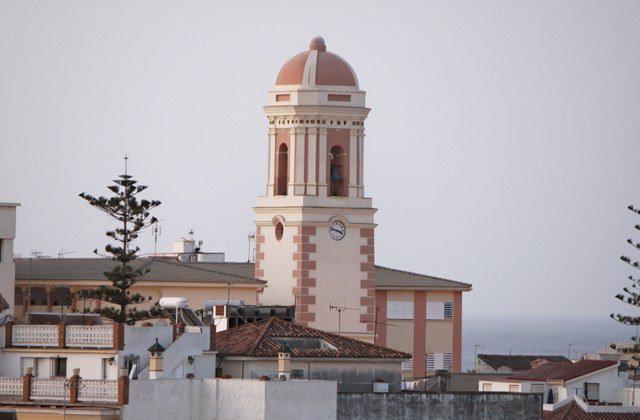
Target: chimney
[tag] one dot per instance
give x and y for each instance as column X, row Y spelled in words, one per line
column 212, row 336
column 284, row 365
column 156, row 360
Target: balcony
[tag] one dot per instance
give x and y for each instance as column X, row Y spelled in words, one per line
column 109, row 336
column 74, row 390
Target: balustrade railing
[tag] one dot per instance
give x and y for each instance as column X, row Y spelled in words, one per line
column 93, row 336
column 34, row 336
column 72, row 390
column 49, row 389
column 95, row 390
column 74, row 336
column 11, row 386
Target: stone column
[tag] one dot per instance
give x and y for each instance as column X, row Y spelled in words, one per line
column 312, row 159
column 123, row 390
column 49, row 292
column 26, row 385
column 74, row 301
column 353, row 163
column 273, row 155
column 74, row 388
column 62, row 334
column 322, row 162
column 25, row 300
column 8, row 334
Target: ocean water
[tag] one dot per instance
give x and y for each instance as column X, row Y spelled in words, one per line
column 503, row 335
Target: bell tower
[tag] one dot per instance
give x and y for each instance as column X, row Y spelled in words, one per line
column 314, row 226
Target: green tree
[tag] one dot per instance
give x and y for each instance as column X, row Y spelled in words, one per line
column 631, row 294
column 132, row 215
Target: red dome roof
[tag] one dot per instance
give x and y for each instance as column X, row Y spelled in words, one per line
column 317, row 67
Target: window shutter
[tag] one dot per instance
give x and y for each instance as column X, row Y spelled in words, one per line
column 430, row 361
column 447, row 360
column 448, row 310
column 391, row 309
column 435, row 310
column 408, row 310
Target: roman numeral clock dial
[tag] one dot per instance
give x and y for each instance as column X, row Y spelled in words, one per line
column 337, row 230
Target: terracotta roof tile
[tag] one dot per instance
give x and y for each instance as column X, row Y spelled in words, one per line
column 559, row 372
column 260, row 339
column 518, row 362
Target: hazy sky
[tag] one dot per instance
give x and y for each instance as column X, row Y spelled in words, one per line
column 502, row 147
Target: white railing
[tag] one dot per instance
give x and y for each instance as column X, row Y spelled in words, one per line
column 11, row 386
column 93, row 336
column 34, row 335
column 50, row 389
column 96, row 390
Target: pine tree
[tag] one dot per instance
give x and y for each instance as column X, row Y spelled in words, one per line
column 132, row 215
column 631, row 294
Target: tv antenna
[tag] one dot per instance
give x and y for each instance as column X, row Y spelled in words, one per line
column 340, row 309
column 156, row 231
column 38, row 254
column 251, row 237
column 62, row 253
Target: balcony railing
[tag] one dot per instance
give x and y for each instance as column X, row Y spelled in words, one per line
column 49, row 389
column 96, row 390
column 34, row 336
column 11, row 387
column 73, row 390
column 281, row 185
column 109, row 336
column 94, row 336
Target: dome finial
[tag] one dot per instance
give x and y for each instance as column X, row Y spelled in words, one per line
column 317, row 44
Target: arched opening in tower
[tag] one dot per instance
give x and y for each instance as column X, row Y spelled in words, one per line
column 283, row 166
column 338, row 182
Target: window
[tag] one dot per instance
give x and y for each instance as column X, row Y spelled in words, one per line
column 487, row 387
column 279, row 230
column 338, row 98
column 592, row 391
column 438, row 361
column 60, row 366
column 448, row 310
column 337, row 172
column 439, row 310
column 407, row 365
column 282, row 170
column 283, row 98
column 514, row 388
column 537, row 389
column 399, row 309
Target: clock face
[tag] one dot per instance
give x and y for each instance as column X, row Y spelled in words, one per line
column 337, row 230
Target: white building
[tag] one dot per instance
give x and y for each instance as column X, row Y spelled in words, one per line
column 593, row 385
column 7, row 266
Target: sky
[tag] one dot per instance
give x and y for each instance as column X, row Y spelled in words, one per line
column 502, row 148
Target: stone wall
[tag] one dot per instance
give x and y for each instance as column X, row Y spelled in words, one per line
column 211, row 398
column 493, row 406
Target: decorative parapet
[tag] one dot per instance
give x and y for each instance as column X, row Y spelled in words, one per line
column 96, row 390
column 50, row 389
column 109, row 336
column 72, row 390
column 11, row 387
column 94, row 336
column 34, row 336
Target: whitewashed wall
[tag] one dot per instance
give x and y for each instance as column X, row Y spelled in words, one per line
column 230, row 398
